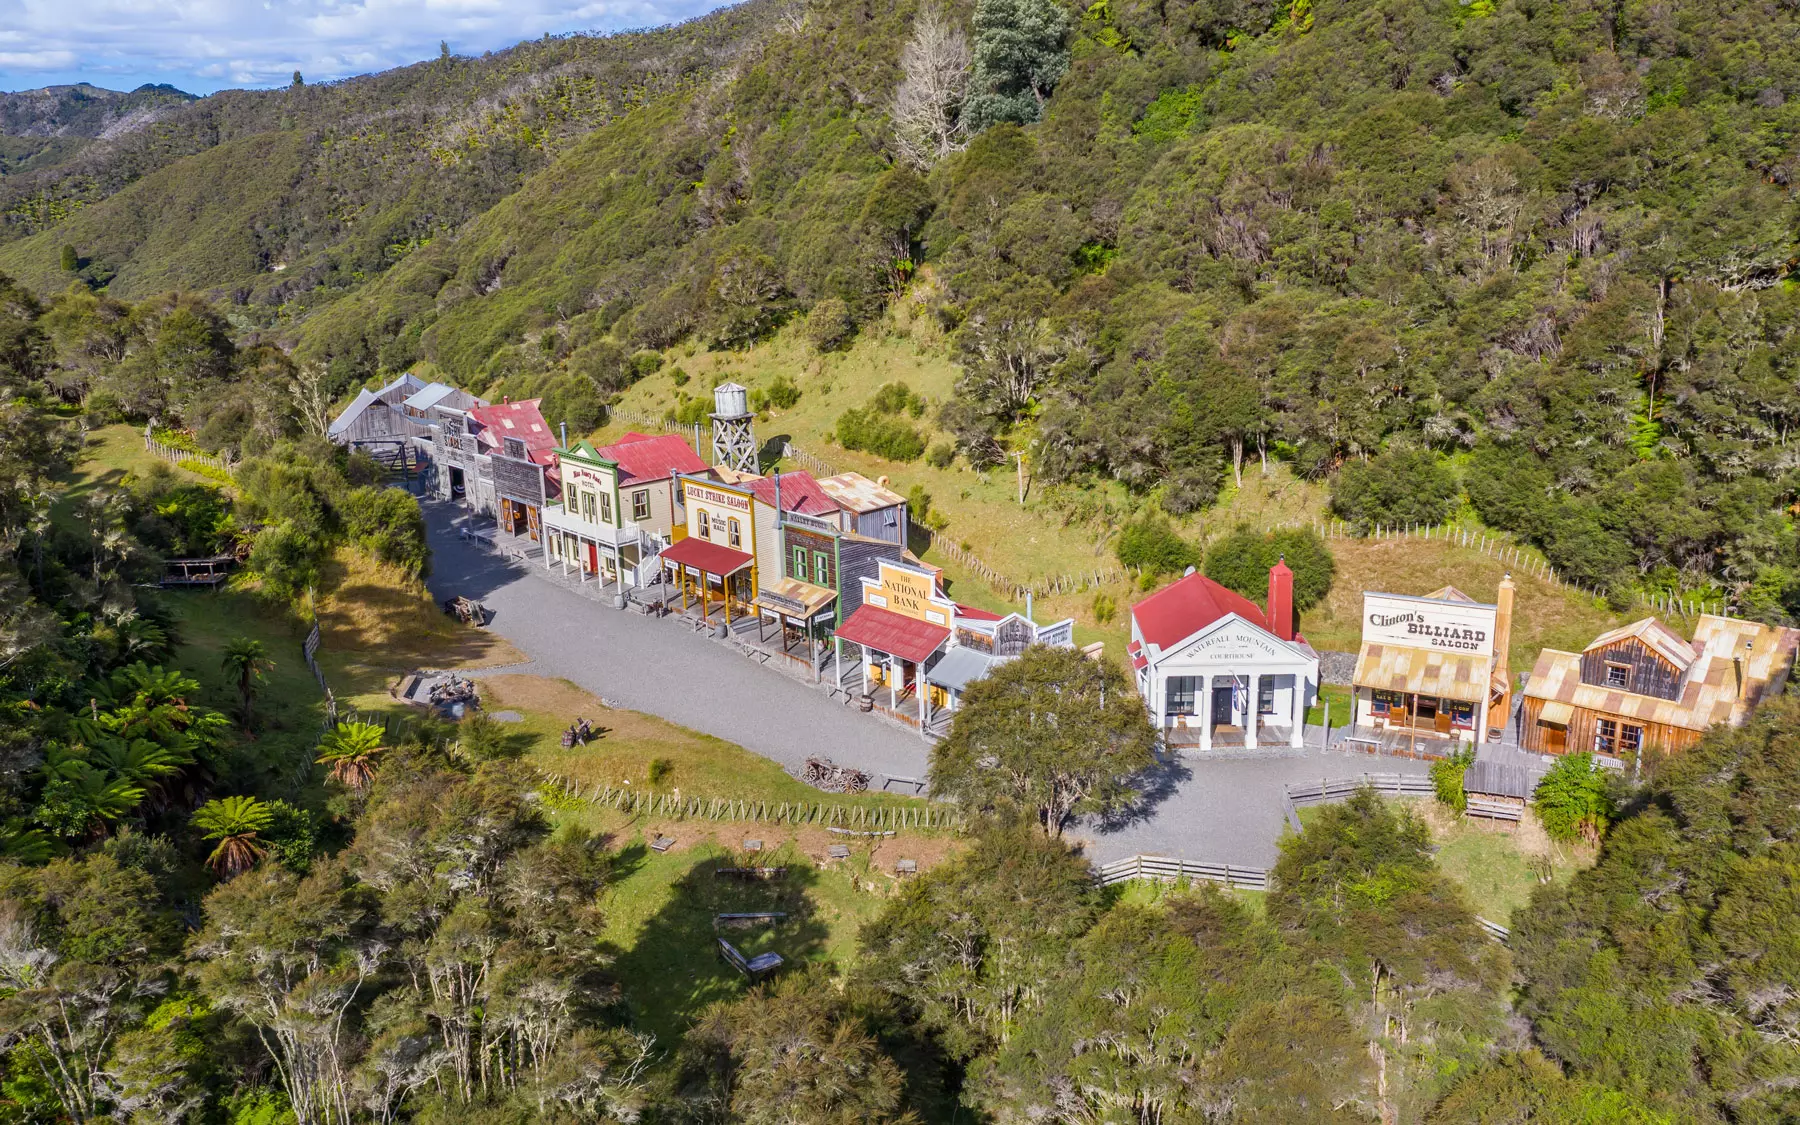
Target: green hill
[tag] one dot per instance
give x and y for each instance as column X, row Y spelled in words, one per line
column 1549, row 248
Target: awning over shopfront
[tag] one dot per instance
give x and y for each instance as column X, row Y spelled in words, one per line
column 791, row 597
column 1556, row 713
column 708, row 558
column 1418, row 671
column 960, row 667
column 892, row 633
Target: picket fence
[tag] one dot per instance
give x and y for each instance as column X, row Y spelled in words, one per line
column 1164, row 869
column 823, row 813
column 175, row 456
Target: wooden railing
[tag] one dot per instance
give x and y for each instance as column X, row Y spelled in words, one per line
column 873, row 817
column 1164, row 869
column 1338, row 789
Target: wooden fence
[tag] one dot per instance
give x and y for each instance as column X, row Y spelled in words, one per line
column 176, row 455
column 1338, row 789
column 1494, row 930
column 308, row 652
column 790, row 451
column 823, row 813
column 1163, row 869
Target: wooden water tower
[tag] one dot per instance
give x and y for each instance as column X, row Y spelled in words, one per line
column 734, row 443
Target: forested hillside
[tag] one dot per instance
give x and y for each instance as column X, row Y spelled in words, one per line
column 1538, row 256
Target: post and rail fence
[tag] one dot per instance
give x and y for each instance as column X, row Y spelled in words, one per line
column 1166, row 870
column 875, row 818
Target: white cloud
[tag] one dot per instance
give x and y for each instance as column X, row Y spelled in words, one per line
column 204, row 45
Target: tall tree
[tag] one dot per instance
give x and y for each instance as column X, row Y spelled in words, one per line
column 1020, row 55
column 246, row 661
column 927, row 109
column 1052, row 735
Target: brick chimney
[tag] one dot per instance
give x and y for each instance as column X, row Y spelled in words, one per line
column 1281, row 600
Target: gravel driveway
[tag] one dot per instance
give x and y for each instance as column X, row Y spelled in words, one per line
column 1213, row 811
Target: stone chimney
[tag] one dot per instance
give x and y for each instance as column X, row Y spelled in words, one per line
column 1281, row 600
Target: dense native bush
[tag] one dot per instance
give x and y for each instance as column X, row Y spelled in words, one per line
column 1152, row 545
column 1241, row 560
column 881, row 434
column 1401, row 488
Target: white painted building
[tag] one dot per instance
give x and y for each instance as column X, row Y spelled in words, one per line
column 1214, row 670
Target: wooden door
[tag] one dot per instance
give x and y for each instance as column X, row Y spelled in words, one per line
column 531, row 522
column 593, row 563
column 1556, row 739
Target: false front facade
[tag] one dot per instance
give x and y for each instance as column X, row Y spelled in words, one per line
column 1643, row 690
column 1215, row 671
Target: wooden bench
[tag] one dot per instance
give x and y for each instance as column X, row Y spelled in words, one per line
column 906, row 867
column 918, row 783
column 662, row 843
column 838, row 851
column 762, row 874
column 854, row 832
column 751, row 916
column 753, row 845
column 751, row 967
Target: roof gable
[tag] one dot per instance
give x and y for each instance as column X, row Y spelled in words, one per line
column 641, row 458
column 1655, row 636
column 1230, row 640
column 1177, row 612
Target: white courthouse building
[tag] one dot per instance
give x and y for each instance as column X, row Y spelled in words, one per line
column 1214, row 670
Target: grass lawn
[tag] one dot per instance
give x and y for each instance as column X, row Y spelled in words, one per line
column 1338, row 697
column 699, row 764
column 660, row 922
column 1544, row 615
column 112, row 454
column 1497, row 864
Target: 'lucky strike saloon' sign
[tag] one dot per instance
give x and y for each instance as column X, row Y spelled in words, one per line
column 1460, row 627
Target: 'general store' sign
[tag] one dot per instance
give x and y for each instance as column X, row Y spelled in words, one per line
column 1461, row 627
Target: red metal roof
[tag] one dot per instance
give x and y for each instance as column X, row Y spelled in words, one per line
column 974, row 614
column 707, row 556
column 642, row 458
column 520, row 420
column 1177, row 612
column 799, row 493
column 893, row 633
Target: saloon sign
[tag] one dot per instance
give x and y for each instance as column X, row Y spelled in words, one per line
column 1460, row 627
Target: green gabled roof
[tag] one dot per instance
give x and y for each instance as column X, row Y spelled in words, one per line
column 584, row 451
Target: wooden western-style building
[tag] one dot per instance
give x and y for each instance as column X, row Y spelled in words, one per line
column 870, row 508
column 1642, row 689
column 911, row 639
column 513, row 450
column 1213, row 669
column 619, row 509
column 713, row 556
column 378, row 416
column 1432, row 671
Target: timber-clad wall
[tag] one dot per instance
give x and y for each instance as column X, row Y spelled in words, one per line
column 1658, row 738
column 1650, row 673
column 858, row 559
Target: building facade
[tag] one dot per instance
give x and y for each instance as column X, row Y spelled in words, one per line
column 619, row 508
column 870, row 508
column 1214, row 670
column 1433, row 669
column 1642, row 690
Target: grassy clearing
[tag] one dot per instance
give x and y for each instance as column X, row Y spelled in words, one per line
column 1545, row 615
column 1338, row 697
column 1497, row 864
column 112, row 454
column 699, row 765
column 660, row 915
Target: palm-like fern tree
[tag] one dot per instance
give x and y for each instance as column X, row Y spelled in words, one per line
column 351, row 750
column 233, row 822
column 245, row 661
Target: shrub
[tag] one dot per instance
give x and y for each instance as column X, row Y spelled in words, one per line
column 691, row 411
column 679, row 376
column 645, row 363
column 1151, row 544
column 886, row 437
column 1400, row 487
column 780, row 395
column 896, row 398
column 1105, row 608
column 1447, row 778
column 829, row 326
column 919, row 509
column 660, row 769
column 1241, row 562
column 942, row 455
column 387, row 523
column 1193, row 489
column 1572, row 799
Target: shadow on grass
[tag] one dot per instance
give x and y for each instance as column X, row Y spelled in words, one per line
column 674, row 969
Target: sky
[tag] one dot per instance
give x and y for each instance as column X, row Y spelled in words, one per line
column 205, row 45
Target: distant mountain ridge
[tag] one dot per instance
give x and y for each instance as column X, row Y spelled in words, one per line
column 82, row 109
